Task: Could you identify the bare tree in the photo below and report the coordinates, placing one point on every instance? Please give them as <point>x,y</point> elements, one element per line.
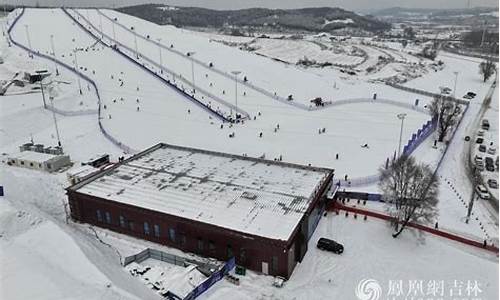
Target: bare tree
<point>486,69</point>
<point>410,191</point>
<point>447,112</point>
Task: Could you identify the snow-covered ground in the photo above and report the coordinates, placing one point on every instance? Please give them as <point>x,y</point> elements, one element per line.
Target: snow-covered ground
<point>42,256</point>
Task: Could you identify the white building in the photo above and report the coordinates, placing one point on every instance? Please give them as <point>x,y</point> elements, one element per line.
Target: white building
<point>39,161</point>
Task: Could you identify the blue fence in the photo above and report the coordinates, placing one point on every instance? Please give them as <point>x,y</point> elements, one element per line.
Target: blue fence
<point>205,285</point>
<point>418,137</point>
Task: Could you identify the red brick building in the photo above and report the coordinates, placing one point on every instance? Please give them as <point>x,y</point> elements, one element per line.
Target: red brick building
<point>209,203</point>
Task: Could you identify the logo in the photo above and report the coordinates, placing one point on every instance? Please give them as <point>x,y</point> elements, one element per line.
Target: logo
<point>368,289</point>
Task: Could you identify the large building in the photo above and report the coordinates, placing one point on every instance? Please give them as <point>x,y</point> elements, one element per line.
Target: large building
<point>209,203</point>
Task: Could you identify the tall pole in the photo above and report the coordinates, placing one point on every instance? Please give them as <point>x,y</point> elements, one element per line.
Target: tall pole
<point>113,25</point>
<point>161,61</point>
<point>100,23</point>
<point>402,118</point>
<point>190,54</point>
<point>28,39</point>
<point>55,123</point>
<point>235,73</point>
<point>77,75</point>
<point>135,43</point>
<point>53,52</point>
<point>455,88</point>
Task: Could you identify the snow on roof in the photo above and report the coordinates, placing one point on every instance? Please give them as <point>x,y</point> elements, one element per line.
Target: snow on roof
<point>247,195</point>
<point>33,156</point>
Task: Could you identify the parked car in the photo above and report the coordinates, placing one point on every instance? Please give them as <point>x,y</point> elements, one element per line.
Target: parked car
<point>330,245</point>
<point>488,160</point>
<point>471,94</point>
<point>493,184</point>
<point>479,160</point>
<point>479,140</point>
<point>485,124</point>
<point>480,133</point>
<point>490,168</point>
<point>492,150</point>
<point>482,192</point>
<point>482,148</point>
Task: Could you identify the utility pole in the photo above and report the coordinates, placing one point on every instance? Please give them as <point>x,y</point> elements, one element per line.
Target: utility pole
<point>77,69</point>
<point>29,40</point>
<point>161,61</point>
<point>54,52</point>
<point>402,118</point>
<point>235,73</point>
<point>190,54</point>
<point>55,123</point>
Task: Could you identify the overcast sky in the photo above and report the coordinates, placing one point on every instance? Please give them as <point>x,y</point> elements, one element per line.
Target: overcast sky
<point>357,5</point>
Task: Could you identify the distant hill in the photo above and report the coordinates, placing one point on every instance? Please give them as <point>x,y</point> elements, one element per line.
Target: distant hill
<point>400,13</point>
<point>321,19</point>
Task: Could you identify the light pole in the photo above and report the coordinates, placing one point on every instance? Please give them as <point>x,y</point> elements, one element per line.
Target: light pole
<point>76,67</point>
<point>113,25</point>
<point>190,54</point>
<point>235,73</point>
<point>135,42</point>
<point>161,61</point>
<point>402,118</point>
<point>53,52</point>
<point>55,121</point>
<point>28,39</point>
<point>455,87</point>
<point>100,23</point>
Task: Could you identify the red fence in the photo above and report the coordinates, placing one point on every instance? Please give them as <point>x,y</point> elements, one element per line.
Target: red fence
<point>338,206</point>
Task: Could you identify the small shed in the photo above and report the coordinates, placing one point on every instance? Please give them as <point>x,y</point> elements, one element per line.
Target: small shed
<point>39,161</point>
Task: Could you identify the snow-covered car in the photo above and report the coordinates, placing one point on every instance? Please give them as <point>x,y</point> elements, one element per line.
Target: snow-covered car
<point>482,192</point>
<point>480,133</point>
<point>481,148</point>
<point>479,160</point>
<point>493,184</point>
<point>485,124</point>
<point>492,150</point>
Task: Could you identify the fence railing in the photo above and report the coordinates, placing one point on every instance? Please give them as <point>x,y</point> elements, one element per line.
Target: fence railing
<point>425,93</point>
<point>183,261</point>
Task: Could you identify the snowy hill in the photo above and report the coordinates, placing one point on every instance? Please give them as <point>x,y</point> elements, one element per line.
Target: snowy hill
<point>308,19</point>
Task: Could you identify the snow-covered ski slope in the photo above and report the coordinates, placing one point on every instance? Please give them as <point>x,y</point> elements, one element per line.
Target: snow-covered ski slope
<point>43,257</point>
<point>165,116</point>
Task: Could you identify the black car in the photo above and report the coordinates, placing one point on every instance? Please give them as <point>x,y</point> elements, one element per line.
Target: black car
<point>482,148</point>
<point>488,160</point>
<point>330,245</point>
<point>479,140</point>
<point>490,168</point>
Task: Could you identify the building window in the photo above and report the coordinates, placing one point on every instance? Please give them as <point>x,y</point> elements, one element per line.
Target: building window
<point>211,247</point>
<point>274,264</point>
<point>40,166</point>
<point>171,234</point>
<point>22,162</point>
<point>49,166</point>
<point>99,215</point>
<point>131,225</point>
<point>243,255</point>
<point>123,223</point>
<point>157,230</point>
<point>31,164</point>
<point>108,217</point>
<point>229,251</point>
<point>200,245</point>
<point>183,240</point>
<point>146,228</point>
